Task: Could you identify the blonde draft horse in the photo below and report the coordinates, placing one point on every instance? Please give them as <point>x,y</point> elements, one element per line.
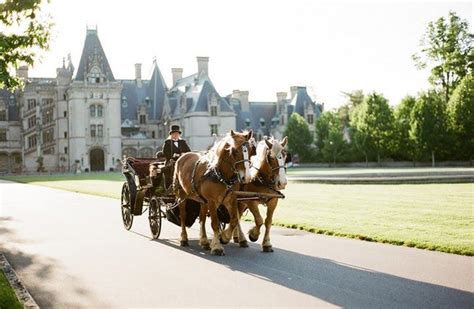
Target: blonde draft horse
<point>268,175</point>
<point>210,180</point>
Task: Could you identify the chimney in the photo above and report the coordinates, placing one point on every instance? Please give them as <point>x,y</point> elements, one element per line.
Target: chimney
<point>244,101</point>
<point>22,72</point>
<point>203,65</point>
<point>281,96</point>
<point>293,90</point>
<point>177,74</point>
<point>236,94</point>
<point>138,74</point>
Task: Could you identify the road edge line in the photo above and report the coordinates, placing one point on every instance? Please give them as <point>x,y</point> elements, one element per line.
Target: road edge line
<point>21,292</point>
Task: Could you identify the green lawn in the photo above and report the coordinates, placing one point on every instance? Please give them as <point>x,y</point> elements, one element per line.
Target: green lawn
<point>7,295</point>
<point>374,171</point>
<point>432,216</point>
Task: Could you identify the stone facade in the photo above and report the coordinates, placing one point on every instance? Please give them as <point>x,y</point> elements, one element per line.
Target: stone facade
<point>89,121</point>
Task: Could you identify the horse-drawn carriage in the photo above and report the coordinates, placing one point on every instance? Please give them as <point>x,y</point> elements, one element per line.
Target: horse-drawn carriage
<point>148,188</point>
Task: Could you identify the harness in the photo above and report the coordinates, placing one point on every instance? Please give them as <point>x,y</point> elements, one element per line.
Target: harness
<point>215,174</point>
<point>269,182</point>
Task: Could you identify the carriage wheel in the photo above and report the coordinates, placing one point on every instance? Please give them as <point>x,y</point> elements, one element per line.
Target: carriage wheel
<point>154,216</point>
<point>127,216</point>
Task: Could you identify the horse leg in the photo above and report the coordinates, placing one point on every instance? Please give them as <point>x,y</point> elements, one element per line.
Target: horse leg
<point>203,241</point>
<point>239,236</point>
<point>226,235</point>
<point>216,247</point>
<point>266,244</point>
<point>182,216</point>
<point>254,232</point>
<point>241,207</point>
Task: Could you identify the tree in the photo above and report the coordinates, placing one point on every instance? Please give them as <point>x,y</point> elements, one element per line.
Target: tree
<point>446,48</point>
<point>404,147</point>
<point>334,144</point>
<point>428,125</point>
<point>299,137</point>
<point>373,125</point>
<point>354,99</point>
<point>461,116</point>
<point>23,30</point>
<point>329,136</point>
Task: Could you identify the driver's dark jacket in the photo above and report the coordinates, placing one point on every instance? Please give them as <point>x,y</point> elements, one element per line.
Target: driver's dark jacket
<point>169,148</point>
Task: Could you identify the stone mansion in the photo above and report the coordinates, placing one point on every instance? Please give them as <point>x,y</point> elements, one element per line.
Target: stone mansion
<point>85,118</point>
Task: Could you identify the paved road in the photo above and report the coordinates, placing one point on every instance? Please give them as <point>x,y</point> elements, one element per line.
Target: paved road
<point>71,250</point>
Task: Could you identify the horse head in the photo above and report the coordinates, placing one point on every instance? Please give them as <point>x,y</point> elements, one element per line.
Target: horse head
<point>233,152</point>
<point>269,162</point>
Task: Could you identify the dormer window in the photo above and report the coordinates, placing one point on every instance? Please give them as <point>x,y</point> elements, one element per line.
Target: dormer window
<point>142,119</point>
<point>310,118</point>
<point>213,110</point>
<point>124,102</point>
<point>147,101</point>
<point>262,122</point>
<point>95,76</point>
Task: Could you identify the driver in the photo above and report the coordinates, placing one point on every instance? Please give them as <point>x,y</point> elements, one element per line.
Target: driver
<point>174,146</point>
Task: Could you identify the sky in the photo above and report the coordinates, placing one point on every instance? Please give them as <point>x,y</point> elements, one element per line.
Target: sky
<point>260,46</point>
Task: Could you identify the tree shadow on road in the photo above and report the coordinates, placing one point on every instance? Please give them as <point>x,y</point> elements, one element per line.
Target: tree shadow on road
<point>40,275</point>
<point>329,280</point>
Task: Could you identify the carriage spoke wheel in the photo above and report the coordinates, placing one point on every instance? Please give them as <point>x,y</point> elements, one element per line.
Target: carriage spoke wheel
<point>127,216</point>
<point>154,216</point>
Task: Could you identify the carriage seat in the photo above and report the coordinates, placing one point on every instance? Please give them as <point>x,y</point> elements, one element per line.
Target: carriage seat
<point>140,165</point>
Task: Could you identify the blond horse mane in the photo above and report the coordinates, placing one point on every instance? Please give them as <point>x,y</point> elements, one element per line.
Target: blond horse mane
<point>217,150</point>
<point>259,158</point>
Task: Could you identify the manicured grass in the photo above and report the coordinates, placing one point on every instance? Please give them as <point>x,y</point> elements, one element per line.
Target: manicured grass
<point>430,216</point>
<point>7,295</point>
<point>102,184</point>
<point>365,171</point>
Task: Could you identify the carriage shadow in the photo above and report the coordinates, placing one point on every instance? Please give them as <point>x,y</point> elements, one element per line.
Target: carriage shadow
<point>329,280</point>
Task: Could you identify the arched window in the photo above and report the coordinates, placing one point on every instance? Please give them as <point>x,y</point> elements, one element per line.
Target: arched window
<point>92,110</point>
<point>247,122</point>
<point>99,111</point>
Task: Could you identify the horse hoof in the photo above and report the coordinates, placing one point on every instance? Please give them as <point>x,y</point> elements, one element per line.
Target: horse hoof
<point>184,243</point>
<point>206,247</point>
<point>243,244</point>
<point>267,249</point>
<point>223,241</point>
<point>252,238</point>
<point>236,240</point>
<point>218,252</point>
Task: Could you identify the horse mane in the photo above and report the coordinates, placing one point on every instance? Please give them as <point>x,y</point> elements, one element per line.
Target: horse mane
<point>259,158</point>
<point>217,150</point>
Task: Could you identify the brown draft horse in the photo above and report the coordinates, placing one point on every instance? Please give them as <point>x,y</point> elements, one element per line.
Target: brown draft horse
<point>268,176</point>
<point>210,180</point>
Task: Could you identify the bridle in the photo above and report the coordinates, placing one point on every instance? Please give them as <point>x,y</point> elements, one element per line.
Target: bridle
<point>271,180</point>
<point>237,178</point>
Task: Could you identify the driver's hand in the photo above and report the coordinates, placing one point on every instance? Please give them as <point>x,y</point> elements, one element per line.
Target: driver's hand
<point>176,155</point>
